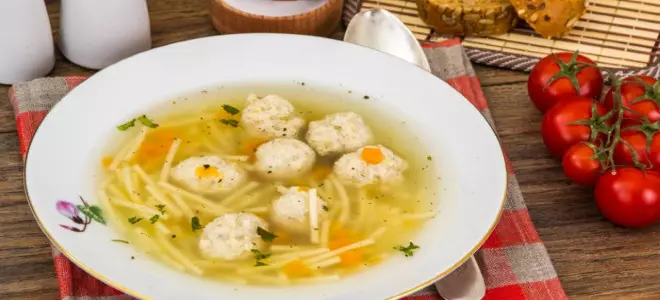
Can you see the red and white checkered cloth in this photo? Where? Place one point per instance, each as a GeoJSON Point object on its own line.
{"type": "Point", "coordinates": [514, 261]}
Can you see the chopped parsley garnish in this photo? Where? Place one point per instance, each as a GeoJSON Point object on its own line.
{"type": "Point", "coordinates": [120, 241]}
{"type": "Point", "coordinates": [161, 208]}
{"type": "Point", "coordinates": [230, 109]}
{"type": "Point", "coordinates": [154, 218]}
{"type": "Point", "coordinates": [265, 235]}
{"type": "Point", "coordinates": [259, 257]}
{"type": "Point", "coordinates": [429, 157]}
{"type": "Point", "coordinates": [195, 224]}
{"type": "Point", "coordinates": [143, 119]}
{"type": "Point", "coordinates": [407, 250]}
{"type": "Point", "coordinates": [134, 220]}
{"type": "Point", "coordinates": [325, 207]}
{"type": "Point", "coordinates": [126, 125]}
{"type": "Point", "coordinates": [229, 122]}
{"type": "Point", "coordinates": [146, 122]}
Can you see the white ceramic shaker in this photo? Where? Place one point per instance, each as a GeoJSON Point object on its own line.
{"type": "Point", "coordinates": [26, 41]}
{"type": "Point", "coordinates": [97, 33]}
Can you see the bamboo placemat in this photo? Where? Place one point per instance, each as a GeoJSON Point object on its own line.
{"type": "Point", "coordinates": [617, 34]}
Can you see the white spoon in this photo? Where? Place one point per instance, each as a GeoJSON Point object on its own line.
{"type": "Point", "coordinates": [380, 30]}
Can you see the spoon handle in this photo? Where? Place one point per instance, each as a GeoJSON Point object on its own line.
{"type": "Point", "coordinates": [464, 283]}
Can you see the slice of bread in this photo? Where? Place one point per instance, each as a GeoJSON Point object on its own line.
{"type": "Point", "coordinates": [550, 18]}
{"type": "Point", "coordinates": [468, 17]}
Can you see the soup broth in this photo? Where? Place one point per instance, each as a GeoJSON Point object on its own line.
{"type": "Point", "coordinates": [200, 224]}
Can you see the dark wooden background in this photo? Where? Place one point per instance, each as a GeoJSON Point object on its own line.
{"type": "Point", "coordinates": [594, 259]}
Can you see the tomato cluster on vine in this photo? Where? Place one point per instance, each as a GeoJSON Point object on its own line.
{"type": "Point", "coordinates": [611, 143]}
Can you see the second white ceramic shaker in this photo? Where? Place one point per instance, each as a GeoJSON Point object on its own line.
{"type": "Point", "coordinates": [97, 33]}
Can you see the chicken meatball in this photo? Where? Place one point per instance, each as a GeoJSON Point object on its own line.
{"type": "Point", "coordinates": [270, 117]}
{"type": "Point", "coordinates": [338, 133]}
{"type": "Point", "coordinates": [208, 174]}
{"type": "Point", "coordinates": [231, 236]}
{"type": "Point", "coordinates": [370, 165]}
{"type": "Point", "coordinates": [291, 210]}
{"type": "Point", "coordinates": [284, 158]}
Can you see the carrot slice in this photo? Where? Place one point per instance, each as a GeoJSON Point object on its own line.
{"type": "Point", "coordinates": [296, 268]}
{"type": "Point", "coordinates": [106, 161]}
{"type": "Point", "coordinates": [156, 145]}
{"type": "Point", "coordinates": [351, 258]}
{"type": "Point", "coordinates": [207, 171]}
{"type": "Point", "coordinates": [372, 155]}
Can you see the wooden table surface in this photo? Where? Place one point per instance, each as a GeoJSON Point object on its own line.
{"type": "Point", "coordinates": [594, 259]}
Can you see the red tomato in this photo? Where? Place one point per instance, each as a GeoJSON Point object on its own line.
{"type": "Point", "coordinates": [558, 134]}
{"type": "Point", "coordinates": [631, 89]}
{"type": "Point", "coordinates": [637, 140]}
{"type": "Point", "coordinates": [544, 95]}
{"type": "Point", "coordinates": [580, 165]}
{"type": "Point", "coordinates": [628, 197]}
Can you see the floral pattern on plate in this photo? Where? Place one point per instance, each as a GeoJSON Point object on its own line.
{"type": "Point", "coordinates": [81, 214]}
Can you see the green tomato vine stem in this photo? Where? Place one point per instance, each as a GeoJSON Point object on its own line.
{"type": "Point", "coordinates": [604, 152]}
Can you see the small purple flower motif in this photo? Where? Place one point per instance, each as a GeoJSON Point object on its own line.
{"type": "Point", "coordinates": [73, 212]}
{"type": "Point", "coordinates": [69, 210]}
